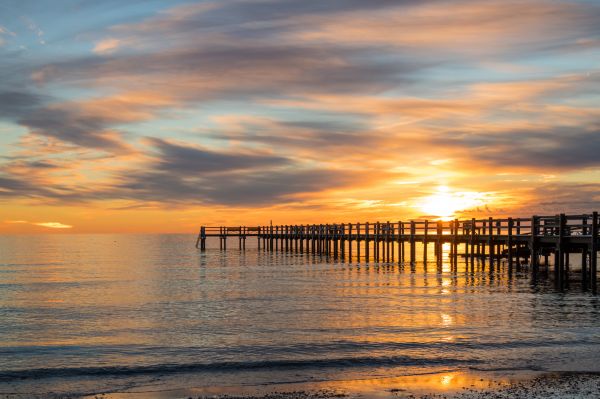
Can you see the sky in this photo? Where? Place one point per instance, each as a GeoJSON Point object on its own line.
{"type": "Point", "coordinates": [161, 116]}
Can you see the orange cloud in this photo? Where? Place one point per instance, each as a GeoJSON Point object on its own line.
{"type": "Point", "coordinates": [53, 225]}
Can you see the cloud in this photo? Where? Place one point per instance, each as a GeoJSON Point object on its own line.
{"type": "Point", "coordinates": [183, 174]}
{"type": "Point", "coordinates": [310, 139]}
{"type": "Point", "coordinates": [16, 104]}
{"type": "Point", "coordinates": [183, 159]}
{"type": "Point", "coordinates": [173, 173]}
{"type": "Point", "coordinates": [32, 26]}
{"type": "Point", "coordinates": [494, 29]}
{"type": "Point", "coordinates": [53, 225]}
{"type": "Point", "coordinates": [5, 32]}
{"type": "Point", "coordinates": [544, 148]}
{"type": "Point", "coordinates": [106, 46]}
{"type": "Point", "coordinates": [70, 124]}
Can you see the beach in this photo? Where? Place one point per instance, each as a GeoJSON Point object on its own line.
{"type": "Point", "coordinates": [455, 385]}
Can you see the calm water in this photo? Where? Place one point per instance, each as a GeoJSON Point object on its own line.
{"type": "Point", "coordinates": [88, 313]}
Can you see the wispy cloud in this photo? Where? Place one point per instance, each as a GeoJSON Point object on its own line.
{"type": "Point", "coordinates": [53, 225]}
{"type": "Point", "coordinates": [50, 225]}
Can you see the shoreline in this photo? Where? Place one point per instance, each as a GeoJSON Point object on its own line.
{"type": "Point", "coordinates": [459, 384]}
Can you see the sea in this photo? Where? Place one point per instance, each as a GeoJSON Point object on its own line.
{"type": "Point", "coordinates": [151, 314]}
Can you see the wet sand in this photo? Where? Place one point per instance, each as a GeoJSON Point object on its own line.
{"type": "Point", "coordinates": [450, 385]}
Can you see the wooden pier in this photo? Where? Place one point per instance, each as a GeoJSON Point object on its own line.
{"type": "Point", "coordinates": [532, 241]}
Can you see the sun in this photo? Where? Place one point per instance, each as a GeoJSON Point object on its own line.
{"type": "Point", "coordinates": [445, 204]}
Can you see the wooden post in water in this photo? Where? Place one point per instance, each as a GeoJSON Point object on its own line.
{"type": "Point", "coordinates": [594, 252]}
{"type": "Point", "coordinates": [318, 237]}
{"type": "Point", "coordinates": [412, 242]}
{"type": "Point", "coordinates": [349, 242]}
{"type": "Point", "coordinates": [472, 239]}
{"type": "Point", "coordinates": [439, 244]}
{"type": "Point", "coordinates": [314, 239]}
{"type": "Point", "coordinates": [402, 248]}
{"type": "Point", "coordinates": [560, 247]}
{"type": "Point", "coordinates": [425, 231]}
{"type": "Point", "coordinates": [584, 272]}
{"type": "Point", "coordinates": [510, 242]}
{"type": "Point", "coordinates": [491, 240]}
{"type": "Point", "coordinates": [533, 252]}
{"type": "Point", "coordinates": [327, 246]}
{"type": "Point", "coordinates": [258, 237]}
{"type": "Point", "coordinates": [334, 237]}
{"type": "Point", "coordinates": [376, 242]}
{"type": "Point", "coordinates": [400, 242]}
{"type": "Point", "coordinates": [455, 242]}
{"type": "Point", "coordinates": [391, 240]}
{"type": "Point", "coordinates": [367, 242]}
{"type": "Point", "coordinates": [358, 242]}
{"type": "Point", "coordinates": [201, 238]}
{"type": "Point", "coordinates": [343, 241]}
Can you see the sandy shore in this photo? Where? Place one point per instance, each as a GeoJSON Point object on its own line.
{"type": "Point", "coordinates": [451, 385]}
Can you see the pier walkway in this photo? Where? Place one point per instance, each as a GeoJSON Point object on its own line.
{"type": "Point", "coordinates": [528, 240]}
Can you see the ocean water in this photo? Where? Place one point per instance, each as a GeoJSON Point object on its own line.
{"type": "Point", "coordinates": [84, 314]}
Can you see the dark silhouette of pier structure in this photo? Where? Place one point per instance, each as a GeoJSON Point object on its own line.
{"type": "Point", "coordinates": [521, 241]}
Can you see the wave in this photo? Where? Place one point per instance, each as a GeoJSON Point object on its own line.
{"type": "Point", "coordinates": [312, 347]}
{"type": "Point", "coordinates": [350, 362]}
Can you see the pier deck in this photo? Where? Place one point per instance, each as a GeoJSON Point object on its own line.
{"type": "Point", "coordinates": [516, 239]}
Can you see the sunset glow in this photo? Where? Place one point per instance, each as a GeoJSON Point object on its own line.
{"type": "Point", "coordinates": [161, 116]}
{"type": "Point", "coordinates": [445, 204]}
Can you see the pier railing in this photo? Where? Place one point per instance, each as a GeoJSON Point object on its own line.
{"type": "Point", "coordinates": [515, 239]}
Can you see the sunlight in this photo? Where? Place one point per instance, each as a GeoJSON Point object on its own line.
{"type": "Point", "coordinates": [445, 204]}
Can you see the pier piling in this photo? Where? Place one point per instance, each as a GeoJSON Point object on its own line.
{"type": "Point", "coordinates": [510, 238]}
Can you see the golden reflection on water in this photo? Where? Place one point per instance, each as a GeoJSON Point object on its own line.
{"type": "Point", "coordinates": [434, 383]}
{"type": "Point", "coordinates": [445, 382]}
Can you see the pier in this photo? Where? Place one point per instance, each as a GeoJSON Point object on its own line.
{"type": "Point", "coordinates": [533, 241]}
